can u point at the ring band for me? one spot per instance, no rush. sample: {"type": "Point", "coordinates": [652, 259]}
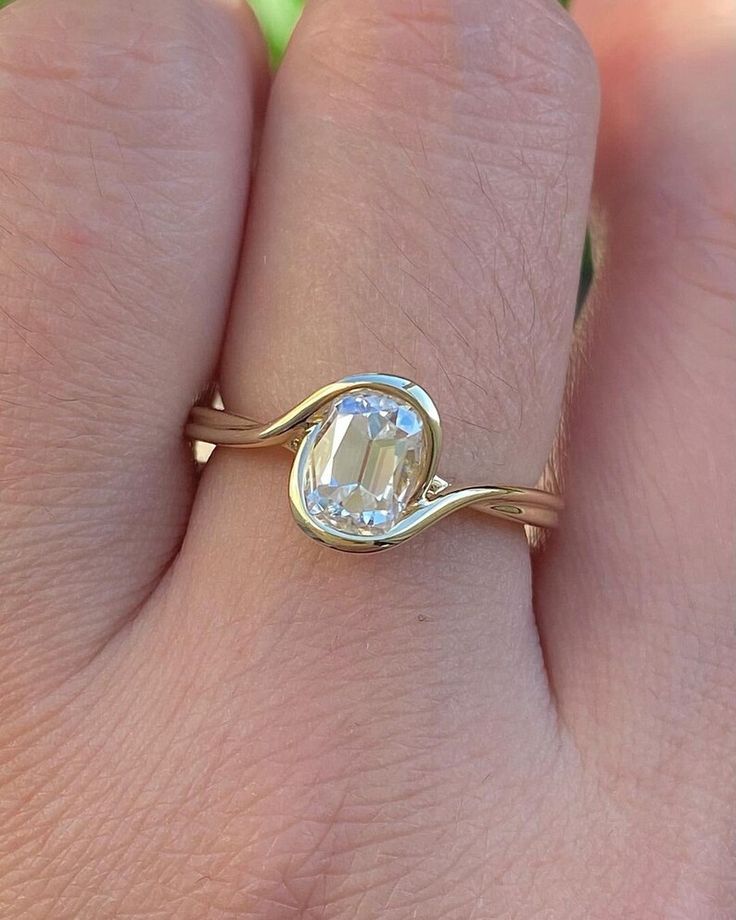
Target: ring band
{"type": "Point", "coordinates": [365, 473]}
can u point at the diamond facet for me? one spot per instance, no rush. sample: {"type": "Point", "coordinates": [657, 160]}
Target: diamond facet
{"type": "Point", "coordinates": [367, 462]}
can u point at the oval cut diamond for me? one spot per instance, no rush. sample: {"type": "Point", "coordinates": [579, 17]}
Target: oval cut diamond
{"type": "Point", "coordinates": [367, 462]}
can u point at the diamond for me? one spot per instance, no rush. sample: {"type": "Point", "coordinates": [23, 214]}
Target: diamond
{"type": "Point", "coordinates": [367, 462]}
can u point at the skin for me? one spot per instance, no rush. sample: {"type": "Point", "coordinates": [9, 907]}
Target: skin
{"type": "Point", "coordinates": [202, 713]}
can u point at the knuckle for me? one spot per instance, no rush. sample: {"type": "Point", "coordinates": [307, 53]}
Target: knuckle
{"type": "Point", "coordinates": [530, 48]}
{"type": "Point", "coordinates": [79, 66]}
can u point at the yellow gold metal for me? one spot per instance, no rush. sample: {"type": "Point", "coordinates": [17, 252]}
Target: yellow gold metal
{"type": "Point", "coordinates": [298, 429]}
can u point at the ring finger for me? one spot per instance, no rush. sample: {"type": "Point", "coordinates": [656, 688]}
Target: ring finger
{"type": "Point", "coordinates": [419, 209]}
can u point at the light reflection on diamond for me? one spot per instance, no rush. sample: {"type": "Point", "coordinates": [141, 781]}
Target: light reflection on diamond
{"type": "Point", "coordinates": [366, 464]}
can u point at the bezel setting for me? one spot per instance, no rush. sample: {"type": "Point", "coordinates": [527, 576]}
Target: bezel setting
{"type": "Point", "coordinates": [322, 531]}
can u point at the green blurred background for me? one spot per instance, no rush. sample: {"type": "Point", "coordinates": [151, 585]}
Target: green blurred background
{"type": "Point", "coordinates": [277, 19]}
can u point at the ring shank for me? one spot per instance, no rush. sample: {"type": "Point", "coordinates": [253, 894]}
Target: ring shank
{"type": "Point", "coordinates": [531, 513]}
{"type": "Point", "coordinates": [531, 507]}
{"type": "Point", "coordinates": [223, 429]}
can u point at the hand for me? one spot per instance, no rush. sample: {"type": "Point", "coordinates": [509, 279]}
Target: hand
{"type": "Point", "coordinates": [206, 715]}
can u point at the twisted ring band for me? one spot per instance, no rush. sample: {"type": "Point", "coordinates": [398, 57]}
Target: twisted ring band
{"type": "Point", "coordinates": [364, 477]}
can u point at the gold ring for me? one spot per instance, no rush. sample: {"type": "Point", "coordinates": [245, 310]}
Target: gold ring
{"type": "Point", "coordinates": [365, 473]}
